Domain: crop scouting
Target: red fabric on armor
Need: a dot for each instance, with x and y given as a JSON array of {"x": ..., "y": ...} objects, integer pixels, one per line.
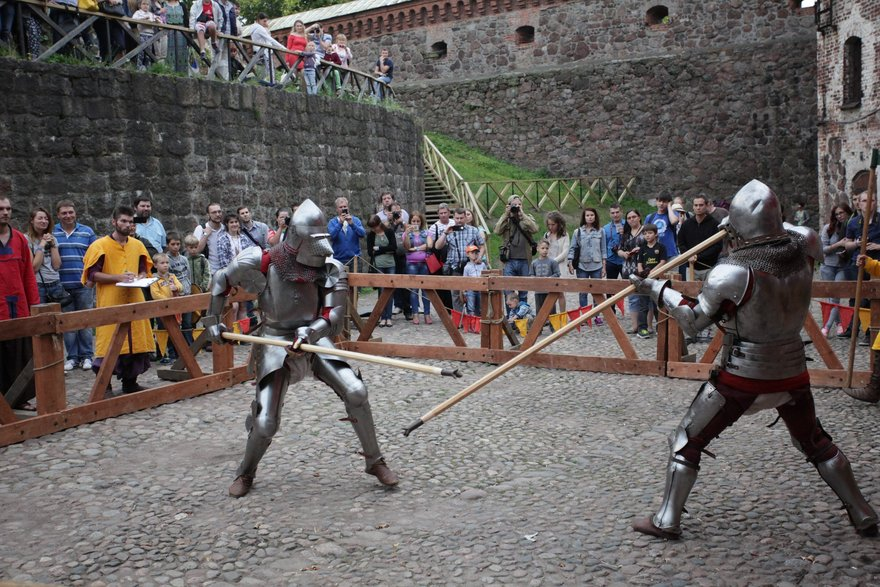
[
  {"x": 325, "y": 313},
  {"x": 759, "y": 386}
]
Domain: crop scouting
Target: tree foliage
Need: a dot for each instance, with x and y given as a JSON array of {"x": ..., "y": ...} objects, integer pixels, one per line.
[{"x": 275, "y": 8}]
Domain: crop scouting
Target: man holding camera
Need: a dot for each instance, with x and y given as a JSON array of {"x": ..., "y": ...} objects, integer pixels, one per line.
[
  {"x": 518, "y": 230},
  {"x": 456, "y": 239},
  {"x": 394, "y": 217},
  {"x": 346, "y": 232}
]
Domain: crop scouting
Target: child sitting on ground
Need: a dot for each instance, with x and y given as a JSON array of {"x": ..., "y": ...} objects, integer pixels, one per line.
[
  {"x": 474, "y": 268},
  {"x": 168, "y": 286},
  {"x": 519, "y": 313},
  {"x": 544, "y": 266}
]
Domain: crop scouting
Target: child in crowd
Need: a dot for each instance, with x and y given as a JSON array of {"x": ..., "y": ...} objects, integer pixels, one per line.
[
  {"x": 310, "y": 61},
  {"x": 518, "y": 310},
  {"x": 650, "y": 256},
  {"x": 145, "y": 32},
  {"x": 474, "y": 268},
  {"x": 544, "y": 266},
  {"x": 168, "y": 286},
  {"x": 179, "y": 267},
  {"x": 199, "y": 269}
]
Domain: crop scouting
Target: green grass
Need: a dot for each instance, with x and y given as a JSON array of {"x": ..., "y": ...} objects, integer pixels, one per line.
[{"x": 475, "y": 165}]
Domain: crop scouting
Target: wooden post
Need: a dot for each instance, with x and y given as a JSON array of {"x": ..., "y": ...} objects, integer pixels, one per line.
[
  {"x": 222, "y": 356},
  {"x": 492, "y": 307},
  {"x": 49, "y": 365}
]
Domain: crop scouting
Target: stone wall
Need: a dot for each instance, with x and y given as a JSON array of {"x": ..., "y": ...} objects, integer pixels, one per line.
[
  {"x": 481, "y": 35},
  {"x": 708, "y": 120},
  {"x": 847, "y": 131},
  {"x": 100, "y": 137}
]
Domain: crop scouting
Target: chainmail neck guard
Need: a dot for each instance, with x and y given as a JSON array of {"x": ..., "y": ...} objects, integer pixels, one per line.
[
  {"x": 283, "y": 257},
  {"x": 781, "y": 257}
]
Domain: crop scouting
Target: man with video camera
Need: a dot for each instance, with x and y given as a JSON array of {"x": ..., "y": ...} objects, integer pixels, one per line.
[
  {"x": 456, "y": 239},
  {"x": 517, "y": 229}
]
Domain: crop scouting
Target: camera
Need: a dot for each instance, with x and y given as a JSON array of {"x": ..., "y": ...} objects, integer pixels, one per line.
[
  {"x": 514, "y": 209},
  {"x": 457, "y": 227},
  {"x": 395, "y": 215},
  {"x": 345, "y": 210},
  {"x": 140, "y": 219}
]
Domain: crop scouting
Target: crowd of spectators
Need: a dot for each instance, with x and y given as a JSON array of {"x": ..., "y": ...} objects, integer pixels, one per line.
[
  {"x": 108, "y": 40},
  {"x": 70, "y": 264}
]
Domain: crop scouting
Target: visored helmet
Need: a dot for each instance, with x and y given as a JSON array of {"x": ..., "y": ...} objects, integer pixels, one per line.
[
  {"x": 307, "y": 234},
  {"x": 755, "y": 215}
]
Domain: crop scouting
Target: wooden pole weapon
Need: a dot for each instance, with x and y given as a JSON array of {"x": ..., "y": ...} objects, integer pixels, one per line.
[
  {"x": 505, "y": 367},
  {"x": 313, "y": 348},
  {"x": 867, "y": 216}
]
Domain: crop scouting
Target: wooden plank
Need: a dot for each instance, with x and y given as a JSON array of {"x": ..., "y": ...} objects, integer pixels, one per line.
[
  {"x": 7, "y": 416},
  {"x": 180, "y": 345},
  {"x": 221, "y": 354},
  {"x": 108, "y": 362},
  {"x": 48, "y": 362},
  {"x": 125, "y": 404},
  {"x": 620, "y": 336},
  {"x": 30, "y": 326},
  {"x": 837, "y": 377},
  {"x": 714, "y": 347},
  {"x": 540, "y": 320},
  {"x": 546, "y": 360},
  {"x": 375, "y": 315},
  {"x": 446, "y": 319},
  {"x": 829, "y": 357}
]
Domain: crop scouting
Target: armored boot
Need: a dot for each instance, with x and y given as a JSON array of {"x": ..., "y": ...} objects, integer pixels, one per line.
[
  {"x": 681, "y": 475},
  {"x": 257, "y": 444},
  {"x": 837, "y": 473},
  {"x": 871, "y": 392},
  {"x": 361, "y": 418}
]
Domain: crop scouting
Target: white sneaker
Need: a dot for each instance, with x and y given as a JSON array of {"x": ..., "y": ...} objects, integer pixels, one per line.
[
  {"x": 69, "y": 365},
  {"x": 87, "y": 365}
]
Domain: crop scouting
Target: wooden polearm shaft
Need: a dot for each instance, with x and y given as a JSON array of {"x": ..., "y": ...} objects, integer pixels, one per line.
[
  {"x": 867, "y": 216},
  {"x": 505, "y": 367},
  {"x": 355, "y": 356}
]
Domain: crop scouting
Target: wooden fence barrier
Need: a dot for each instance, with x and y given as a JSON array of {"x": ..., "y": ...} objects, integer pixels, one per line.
[{"x": 54, "y": 413}]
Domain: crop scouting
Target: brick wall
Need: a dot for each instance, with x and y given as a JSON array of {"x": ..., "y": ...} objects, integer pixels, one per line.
[{"x": 101, "y": 136}]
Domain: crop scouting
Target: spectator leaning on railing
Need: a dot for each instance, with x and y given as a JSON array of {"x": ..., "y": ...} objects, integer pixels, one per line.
[
  {"x": 260, "y": 34},
  {"x": 384, "y": 72}
]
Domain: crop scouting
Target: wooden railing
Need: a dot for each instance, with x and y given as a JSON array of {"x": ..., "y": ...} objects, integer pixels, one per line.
[
  {"x": 452, "y": 181},
  {"x": 667, "y": 356},
  {"x": 54, "y": 412},
  {"x": 544, "y": 195},
  {"x": 333, "y": 79}
]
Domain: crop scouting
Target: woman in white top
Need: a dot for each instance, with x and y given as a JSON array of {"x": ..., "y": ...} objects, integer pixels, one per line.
[{"x": 560, "y": 242}]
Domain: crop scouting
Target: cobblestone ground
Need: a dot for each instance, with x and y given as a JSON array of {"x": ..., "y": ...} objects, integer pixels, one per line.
[{"x": 535, "y": 480}]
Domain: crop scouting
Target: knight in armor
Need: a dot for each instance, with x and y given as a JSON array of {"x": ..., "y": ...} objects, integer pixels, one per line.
[
  {"x": 759, "y": 296},
  {"x": 303, "y": 294}
]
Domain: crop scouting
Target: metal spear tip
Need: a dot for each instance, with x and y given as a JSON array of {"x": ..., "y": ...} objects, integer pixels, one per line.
[
  {"x": 413, "y": 427},
  {"x": 451, "y": 373}
]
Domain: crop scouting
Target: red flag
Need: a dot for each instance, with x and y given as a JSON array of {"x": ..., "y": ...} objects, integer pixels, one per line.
[
  {"x": 826, "y": 310},
  {"x": 846, "y": 315},
  {"x": 573, "y": 315},
  {"x": 457, "y": 318},
  {"x": 586, "y": 309}
]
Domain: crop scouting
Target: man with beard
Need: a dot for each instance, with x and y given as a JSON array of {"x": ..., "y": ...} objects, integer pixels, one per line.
[
  {"x": 149, "y": 229},
  {"x": 303, "y": 296},
  {"x": 759, "y": 295},
  {"x": 111, "y": 260}
]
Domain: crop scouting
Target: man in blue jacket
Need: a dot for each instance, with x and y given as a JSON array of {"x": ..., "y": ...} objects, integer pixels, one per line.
[{"x": 346, "y": 232}]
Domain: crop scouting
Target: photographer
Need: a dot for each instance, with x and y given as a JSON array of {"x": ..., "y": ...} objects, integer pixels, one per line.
[
  {"x": 395, "y": 218},
  {"x": 346, "y": 232},
  {"x": 456, "y": 239},
  {"x": 517, "y": 229}
]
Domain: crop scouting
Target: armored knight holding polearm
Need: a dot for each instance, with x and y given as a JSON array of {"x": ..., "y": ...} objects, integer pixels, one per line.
[{"x": 303, "y": 296}]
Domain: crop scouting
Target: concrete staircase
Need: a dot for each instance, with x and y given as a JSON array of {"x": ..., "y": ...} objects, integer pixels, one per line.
[{"x": 435, "y": 194}]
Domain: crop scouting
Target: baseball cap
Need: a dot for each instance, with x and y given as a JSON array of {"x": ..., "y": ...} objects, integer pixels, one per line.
[
  {"x": 678, "y": 207},
  {"x": 471, "y": 248}
]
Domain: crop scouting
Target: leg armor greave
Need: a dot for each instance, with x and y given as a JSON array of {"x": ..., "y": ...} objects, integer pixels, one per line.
[
  {"x": 680, "y": 478},
  {"x": 353, "y": 393},
  {"x": 838, "y": 474},
  {"x": 264, "y": 420}
]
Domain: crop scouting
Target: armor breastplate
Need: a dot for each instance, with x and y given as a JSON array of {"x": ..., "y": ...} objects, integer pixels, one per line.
[
  {"x": 763, "y": 338},
  {"x": 287, "y": 305}
]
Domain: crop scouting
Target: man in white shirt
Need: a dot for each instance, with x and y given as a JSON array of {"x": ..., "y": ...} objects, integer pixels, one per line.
[
  {"x": 260, "y": 34},
  {"x": 209, "y": 234}
]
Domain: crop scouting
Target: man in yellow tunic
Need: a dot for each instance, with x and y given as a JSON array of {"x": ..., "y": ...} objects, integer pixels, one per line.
[{"x": 113, "y": 260}]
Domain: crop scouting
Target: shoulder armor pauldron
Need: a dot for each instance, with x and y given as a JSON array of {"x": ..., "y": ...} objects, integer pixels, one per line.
[
  {"x": 724, "y": 282},
  {"x": 334, "y": 271}
]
